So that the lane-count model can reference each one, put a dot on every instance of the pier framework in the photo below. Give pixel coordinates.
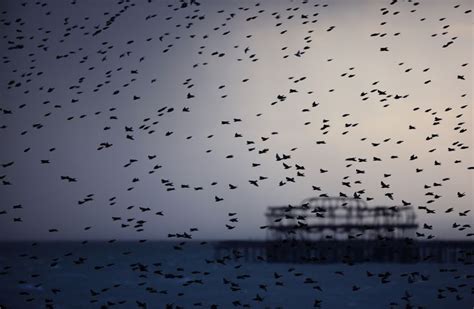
(343, 230)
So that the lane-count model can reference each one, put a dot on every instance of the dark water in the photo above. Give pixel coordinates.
(105, 275)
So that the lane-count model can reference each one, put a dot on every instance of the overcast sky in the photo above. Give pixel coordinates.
(367, 66)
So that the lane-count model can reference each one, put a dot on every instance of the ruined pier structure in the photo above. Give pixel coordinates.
(344, 230)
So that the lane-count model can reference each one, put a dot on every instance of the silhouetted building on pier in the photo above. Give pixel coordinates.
(339, 218)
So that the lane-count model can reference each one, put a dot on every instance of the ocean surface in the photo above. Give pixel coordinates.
(132, 274)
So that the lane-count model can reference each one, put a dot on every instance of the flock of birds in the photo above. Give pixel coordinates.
(33, 56)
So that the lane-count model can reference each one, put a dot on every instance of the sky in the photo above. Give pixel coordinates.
(200, 86)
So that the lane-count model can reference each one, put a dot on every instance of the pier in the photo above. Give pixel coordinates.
(343, 230)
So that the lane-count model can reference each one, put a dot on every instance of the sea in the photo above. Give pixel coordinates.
(166, 274)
